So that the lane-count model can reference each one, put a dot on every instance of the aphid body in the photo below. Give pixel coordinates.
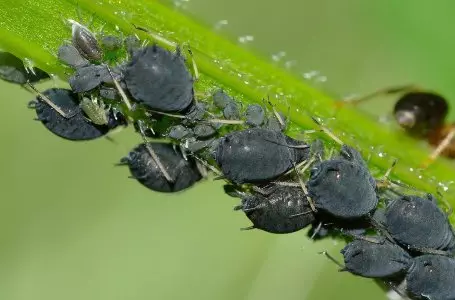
(77, 127)
(258, 155)
(343, 187)
(12, 69)
(85, 41)
(159, 79)
(375, 260)
(284, 209)
(431, 277)
(95, 109)
(419, 224)
(184, 172)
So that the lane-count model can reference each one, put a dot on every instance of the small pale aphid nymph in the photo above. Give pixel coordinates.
(85, 41)
(95, 109)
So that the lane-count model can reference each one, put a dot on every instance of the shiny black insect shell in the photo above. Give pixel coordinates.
(159, 79)
(375, 260)
(282, 210)
(431, 277)
(257, 155)
(183, 171)
(85, 42)
(12, 69)
(75, 128)
(418, 223)
(420, 112)
(343, 187)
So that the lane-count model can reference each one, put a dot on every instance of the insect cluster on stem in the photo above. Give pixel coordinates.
(284, 184)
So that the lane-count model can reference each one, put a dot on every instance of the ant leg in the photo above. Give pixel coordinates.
(443, 145)
(380, 92)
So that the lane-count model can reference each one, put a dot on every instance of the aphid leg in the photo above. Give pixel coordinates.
(304, 189)
(186, 46)
(153, 154)
(316, 231)
(119, 88)
(432, 251)
(207, 165)
(248, 228)
(49, 102)
(277, 115)
(342, 267)
(384, 182)
(439, 149)
(284, 183)
(380, 92)
(31, 104)
(327, 131)
(373, 240)
(156, 37)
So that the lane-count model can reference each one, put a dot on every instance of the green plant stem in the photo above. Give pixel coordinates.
(37, 31)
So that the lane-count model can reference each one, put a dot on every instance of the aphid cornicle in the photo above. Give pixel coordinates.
(184, 172)
(159, 79)
(77, 127)
(258, 155)
(343, 187)
(12, 69)
(85, 41)
(284, 209)
(419, 224)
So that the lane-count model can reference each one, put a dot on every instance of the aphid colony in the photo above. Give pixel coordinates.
(284, 185)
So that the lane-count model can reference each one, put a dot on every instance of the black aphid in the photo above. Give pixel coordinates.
(111, 42)
(12, 69)
(221, 99)
(255, 115)
(184, 172)
(343, 187)
(375, 260)
(75, 126)
(159, 79)
(284, 209)
(89, 77)
(85, 41)
(419, 224)
(258, 155)
(231, 111)
(431, 277)
(71, 56)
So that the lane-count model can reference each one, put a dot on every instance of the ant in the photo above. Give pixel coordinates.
(421, 113)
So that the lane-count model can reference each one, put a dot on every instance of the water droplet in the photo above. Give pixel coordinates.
(246, 38)
(220, 24)
(278, 56)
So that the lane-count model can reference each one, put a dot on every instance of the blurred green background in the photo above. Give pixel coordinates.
(75, 227)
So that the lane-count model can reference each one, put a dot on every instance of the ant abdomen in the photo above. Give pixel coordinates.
(420, 112)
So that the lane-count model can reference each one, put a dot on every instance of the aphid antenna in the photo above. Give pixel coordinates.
(342, 267)
(383, 91)
(186, 45)
(213, 121)
(304, 189)
(153, 154)
(156, 36)
(431, 251)
(49, 102)
(439, 149)
(276, 114)
(327, 131)
(207, 165)
(300, 214)
(120, 89)
(285, 183)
